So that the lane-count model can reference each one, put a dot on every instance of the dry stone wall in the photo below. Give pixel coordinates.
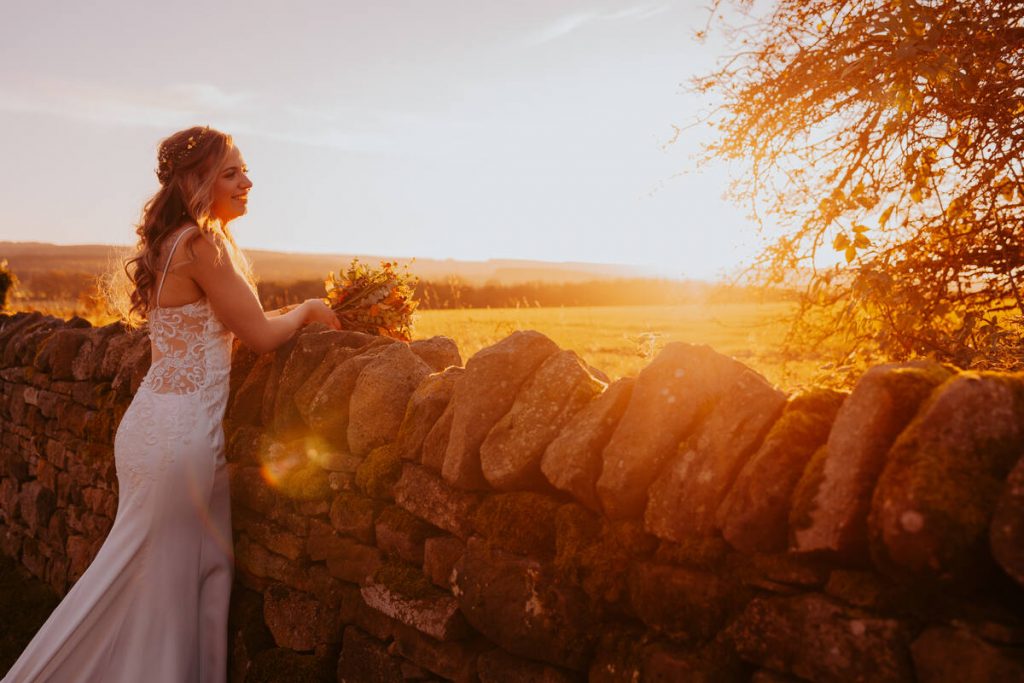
(401, 515)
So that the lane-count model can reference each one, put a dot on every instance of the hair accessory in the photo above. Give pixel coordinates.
(170, 159)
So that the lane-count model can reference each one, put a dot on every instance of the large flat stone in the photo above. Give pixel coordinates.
(309, 350)
(439, 352)
(833, 516)
(483, 394)
(510, 455)
(426, 495)
(572, 461)
(424, 407)
(404, 594)
(323, 401)
(817, 639)
(519, 604)
(666, 403)
(934, 501)
(684, 603)
(380, 396)
(298, 621)
(685, 497)
(754, 515)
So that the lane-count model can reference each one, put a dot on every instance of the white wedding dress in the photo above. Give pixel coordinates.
(152, 607)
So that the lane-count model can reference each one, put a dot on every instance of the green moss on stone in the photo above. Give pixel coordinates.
(308, 482)
(377, 475)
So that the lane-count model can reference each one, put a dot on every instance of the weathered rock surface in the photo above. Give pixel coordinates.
(834, 515)
(402, 535)
(439, 352)
(817, 639)
(1006, 535)
(323, 402)
(682, 603)
(510, 454)
(521, 522)
(666, 403)
(483, 394)
(306, 355)
(572, 461)
(685, 497)
(405, 595)
(933, 504)
(519, 604)
(754, 515)
(440, 555)
(435, 443)
(297, 621)
(366, 660)
(427, 496)
(425, 406)
(380, 396)
(948, 654)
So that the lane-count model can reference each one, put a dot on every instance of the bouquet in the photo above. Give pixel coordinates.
(373, 301)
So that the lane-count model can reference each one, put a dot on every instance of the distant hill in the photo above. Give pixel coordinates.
(27, 257)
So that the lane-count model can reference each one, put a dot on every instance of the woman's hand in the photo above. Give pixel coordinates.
(316, 311)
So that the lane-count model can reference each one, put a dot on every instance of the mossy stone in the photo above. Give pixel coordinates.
(377, 475)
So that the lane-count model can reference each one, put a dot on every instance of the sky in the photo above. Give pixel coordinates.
(464, 129)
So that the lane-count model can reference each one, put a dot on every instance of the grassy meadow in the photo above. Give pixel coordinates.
(620, 340)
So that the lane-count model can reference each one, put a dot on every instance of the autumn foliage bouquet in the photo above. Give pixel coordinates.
(374, 301)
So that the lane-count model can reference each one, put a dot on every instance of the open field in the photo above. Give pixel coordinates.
(620, 340)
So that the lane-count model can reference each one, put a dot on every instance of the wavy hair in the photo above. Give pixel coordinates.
(188, 162)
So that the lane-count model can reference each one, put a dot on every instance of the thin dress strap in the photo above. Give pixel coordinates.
(168, 263)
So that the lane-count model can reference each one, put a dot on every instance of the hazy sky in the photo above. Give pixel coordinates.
(471, 130)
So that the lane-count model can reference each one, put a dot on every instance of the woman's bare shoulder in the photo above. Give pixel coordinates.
(209, 248)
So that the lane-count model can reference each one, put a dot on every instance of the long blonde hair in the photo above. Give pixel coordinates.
(188, 162)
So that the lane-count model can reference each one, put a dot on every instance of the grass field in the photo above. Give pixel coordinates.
(620, 340)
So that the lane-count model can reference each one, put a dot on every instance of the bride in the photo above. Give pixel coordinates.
(153, 604)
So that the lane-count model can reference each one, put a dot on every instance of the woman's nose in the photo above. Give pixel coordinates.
(245, 181)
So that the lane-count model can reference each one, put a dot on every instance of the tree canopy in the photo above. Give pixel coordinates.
(887, 133)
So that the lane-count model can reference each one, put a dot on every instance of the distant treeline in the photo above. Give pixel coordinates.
(61, 285)
(620, 292)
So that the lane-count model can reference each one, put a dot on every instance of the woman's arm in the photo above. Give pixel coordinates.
(237, 306)
(280, 311)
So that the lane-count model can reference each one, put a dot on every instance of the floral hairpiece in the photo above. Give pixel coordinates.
(168, 161)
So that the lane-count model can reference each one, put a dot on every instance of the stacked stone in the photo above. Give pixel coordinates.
(400, 516)
(63, 386)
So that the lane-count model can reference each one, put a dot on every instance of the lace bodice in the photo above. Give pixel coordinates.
(191, 348)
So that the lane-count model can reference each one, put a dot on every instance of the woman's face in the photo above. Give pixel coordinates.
(231, 189)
